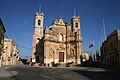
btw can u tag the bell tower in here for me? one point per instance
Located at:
(75, 21)
(38, 28)
(75, 28)
(38, 34)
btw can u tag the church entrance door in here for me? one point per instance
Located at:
(61, 56)
(37, 59)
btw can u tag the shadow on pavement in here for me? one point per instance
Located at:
(100, 75)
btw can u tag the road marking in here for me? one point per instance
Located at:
(48, 77)
(14, 73)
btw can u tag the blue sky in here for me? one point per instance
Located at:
(18, 18)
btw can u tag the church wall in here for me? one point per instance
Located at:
(41, 51)
(72, 52)
(57, 30)
(50, 37)
(72, 39)
(52, 50)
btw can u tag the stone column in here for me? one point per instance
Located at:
(46, 51)
(67, 52)
(79, 47)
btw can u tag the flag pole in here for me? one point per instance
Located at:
(74, 14)
(40, 8)
(104, 32)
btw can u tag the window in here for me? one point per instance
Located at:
(76, 25)
(5, 40)
(39, 22)
(8, 58)
(60, 37)
(72, 27)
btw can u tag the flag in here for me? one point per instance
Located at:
(91, 45)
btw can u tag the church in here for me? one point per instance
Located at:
(59, 43)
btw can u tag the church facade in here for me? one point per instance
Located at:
(59, 43)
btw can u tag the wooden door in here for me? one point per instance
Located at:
(61, 56)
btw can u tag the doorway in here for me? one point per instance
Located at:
(61, 56)
(37, 59)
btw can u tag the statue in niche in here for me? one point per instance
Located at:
(72, 53)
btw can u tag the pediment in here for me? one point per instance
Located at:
(61, 48)
(59, 22)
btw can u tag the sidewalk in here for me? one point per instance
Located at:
(5, 73)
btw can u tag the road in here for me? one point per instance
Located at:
(23, 72)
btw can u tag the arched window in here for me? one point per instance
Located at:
(39, 22)
(60, 37)
(76, 24)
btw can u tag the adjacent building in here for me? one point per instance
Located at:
(59, 43)
(110, 49)
(11, 52)
(86, 56)
(2, 32)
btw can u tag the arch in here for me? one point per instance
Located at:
(39, 22)
(76, 24)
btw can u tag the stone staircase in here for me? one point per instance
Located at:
(62, 65)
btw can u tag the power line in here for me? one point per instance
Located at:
(20, 45)
(24, 47)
